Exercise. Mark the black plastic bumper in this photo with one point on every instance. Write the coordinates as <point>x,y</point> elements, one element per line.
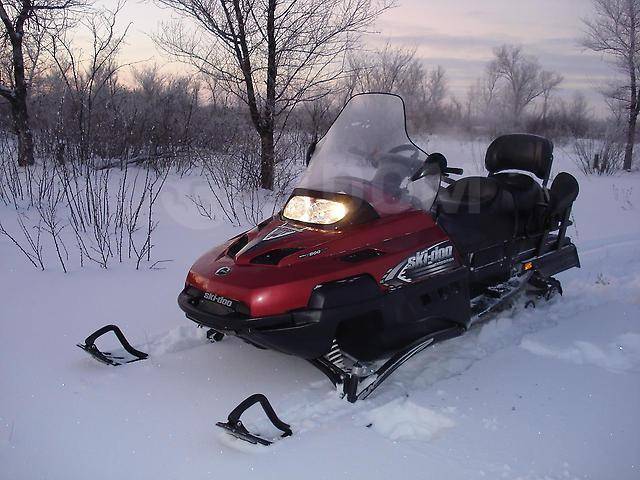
<point>305,333</point>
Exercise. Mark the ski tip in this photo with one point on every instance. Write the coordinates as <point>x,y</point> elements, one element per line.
<point>97,355</point>
<point>239,432</point>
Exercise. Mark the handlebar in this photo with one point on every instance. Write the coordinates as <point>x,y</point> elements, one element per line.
<point>452,171</point>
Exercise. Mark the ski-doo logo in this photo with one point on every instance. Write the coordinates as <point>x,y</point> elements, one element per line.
<point>218,299</point>
<point>430,256</point>
<point>223,271</point>
<point>435,259</point>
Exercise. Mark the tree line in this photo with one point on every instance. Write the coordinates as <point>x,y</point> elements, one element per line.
<point>267,72</point>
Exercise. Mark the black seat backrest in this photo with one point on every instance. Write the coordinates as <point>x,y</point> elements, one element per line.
<point>563,192</point>
<point>520,151</point>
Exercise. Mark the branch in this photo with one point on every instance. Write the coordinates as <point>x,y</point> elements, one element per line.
<point>7,93</point>
<point>8,25</point>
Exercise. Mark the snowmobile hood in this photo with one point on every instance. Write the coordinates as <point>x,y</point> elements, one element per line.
<point>273,268</point>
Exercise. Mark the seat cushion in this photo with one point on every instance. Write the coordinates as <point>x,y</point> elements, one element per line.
<point>469,195</point>
<point>476,212</point>
<point>527,193</point>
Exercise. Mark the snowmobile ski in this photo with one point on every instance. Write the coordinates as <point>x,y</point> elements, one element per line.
<point>127,354</point>
<point>236,428</point>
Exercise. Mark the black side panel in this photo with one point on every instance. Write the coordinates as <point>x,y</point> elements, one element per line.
<point>490,265</point>
<point>344,292</point>
<point>557,261</point>
<point>472,232</point>
<point>406,314</point>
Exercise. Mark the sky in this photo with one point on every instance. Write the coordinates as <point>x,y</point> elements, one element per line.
<point>459,35</point>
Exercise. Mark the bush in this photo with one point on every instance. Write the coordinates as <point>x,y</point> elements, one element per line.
<point>602,156</point>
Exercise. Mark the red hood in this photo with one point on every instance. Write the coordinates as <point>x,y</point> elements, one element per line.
<point>309,257</point>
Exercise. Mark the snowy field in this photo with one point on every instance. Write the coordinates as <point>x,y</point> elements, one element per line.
<point>550,393</point>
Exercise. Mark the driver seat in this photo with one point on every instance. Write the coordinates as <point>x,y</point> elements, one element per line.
<point>504,189</point>
<point>481,211</point>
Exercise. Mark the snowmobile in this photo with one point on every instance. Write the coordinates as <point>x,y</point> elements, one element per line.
<point>379,253</point>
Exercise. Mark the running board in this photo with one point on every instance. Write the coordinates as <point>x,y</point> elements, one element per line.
<point>496,296</point>
<point>360,382</point>
<point>127,354</point>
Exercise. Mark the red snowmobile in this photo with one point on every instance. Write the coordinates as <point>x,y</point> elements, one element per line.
<point>379,254</point>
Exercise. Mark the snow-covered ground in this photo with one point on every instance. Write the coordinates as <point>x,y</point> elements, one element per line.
<point>546,393</point>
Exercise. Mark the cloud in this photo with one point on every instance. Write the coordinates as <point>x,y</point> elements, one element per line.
<point>465,57</point>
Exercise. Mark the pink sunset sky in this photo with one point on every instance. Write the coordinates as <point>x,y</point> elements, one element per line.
<point>457,34</point>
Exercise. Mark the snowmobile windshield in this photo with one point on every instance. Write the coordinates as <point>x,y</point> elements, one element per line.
<point>368,154</point>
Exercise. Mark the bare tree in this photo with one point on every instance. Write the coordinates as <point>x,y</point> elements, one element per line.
<point>615,31</point>
<point>399,70</point>
<point>435,88</point>
<point>25,22</point>
<point>271,54</point>
<point>86,77</point>
<point>519,78</point>
<point>390,69</point>
<point>481,100</point>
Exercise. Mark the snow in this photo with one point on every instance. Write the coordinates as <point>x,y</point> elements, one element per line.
<point>544,393</point>
<point>402,419</point>
<point>620,355</point>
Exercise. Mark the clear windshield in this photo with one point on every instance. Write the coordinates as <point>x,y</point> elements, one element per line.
<point>367,154</point>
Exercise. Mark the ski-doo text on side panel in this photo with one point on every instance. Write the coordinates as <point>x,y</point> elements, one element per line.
<point>435,259</point>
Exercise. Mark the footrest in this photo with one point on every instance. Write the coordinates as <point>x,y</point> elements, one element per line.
<point>127,354</point>
<point>234,425</point>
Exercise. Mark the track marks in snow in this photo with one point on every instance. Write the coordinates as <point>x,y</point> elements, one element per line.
<point>176,340</point>
<point>619,356</point>
<point>402,419</point>
<point>7,428</point>
<point>584,290</point>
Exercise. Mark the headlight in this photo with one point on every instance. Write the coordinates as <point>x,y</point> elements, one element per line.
<point>314,210</point>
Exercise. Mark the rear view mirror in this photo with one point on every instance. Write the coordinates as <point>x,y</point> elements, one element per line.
<point>437,159</point>
<point>434,160</point>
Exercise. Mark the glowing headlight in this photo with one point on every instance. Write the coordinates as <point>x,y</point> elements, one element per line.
<point>315,210</point>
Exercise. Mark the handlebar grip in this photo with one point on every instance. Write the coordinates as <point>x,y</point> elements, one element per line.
<point>454,171</point>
